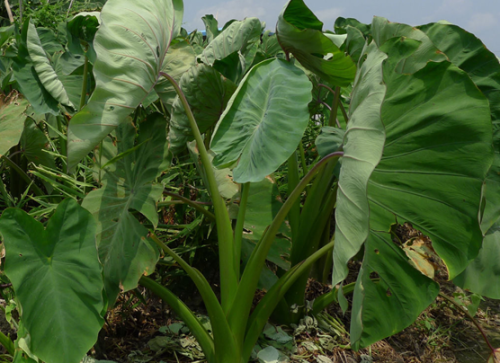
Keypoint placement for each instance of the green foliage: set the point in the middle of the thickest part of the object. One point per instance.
(57, 279)
(103, 100)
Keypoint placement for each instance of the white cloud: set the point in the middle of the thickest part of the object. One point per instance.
(480, 21)
(265, 10)
(449, 9)
(328, 16)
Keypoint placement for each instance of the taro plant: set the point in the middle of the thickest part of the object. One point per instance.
(408, 138)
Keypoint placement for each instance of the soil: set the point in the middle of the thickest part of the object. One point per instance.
(441, 334)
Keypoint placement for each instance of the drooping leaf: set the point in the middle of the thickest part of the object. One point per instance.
(82, 27)
(208, 93)
(56, 275)
(211, 27)
(354, 43)
(436, 156)
(131, 45)
(12, 116)
(264, 120)
(363, 145)
(237, 43)
(431, 165)
(300, 32)
(178, 60)
(124, 248)
(27, 78)
(43, 67)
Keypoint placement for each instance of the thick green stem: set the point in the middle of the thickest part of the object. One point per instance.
(228, 280)
(83, 97)
(185, 314)
(238, 231)
(238, 315)
(191, 203)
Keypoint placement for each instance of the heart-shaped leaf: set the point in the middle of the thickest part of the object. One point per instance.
(57, 278)
(264, 120)
(435, 159)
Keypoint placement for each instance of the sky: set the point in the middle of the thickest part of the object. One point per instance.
(480, 17)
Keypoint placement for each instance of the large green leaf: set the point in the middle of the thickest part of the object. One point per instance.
(363, 144)
(12, 116)
(208, 93)
(436, 156)
(264, 120)
(43, 67)
(467, 52)
(131, 45)
(438, 150)
(300, 33)
(240, 39)
(56, 275)
(124, 248)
